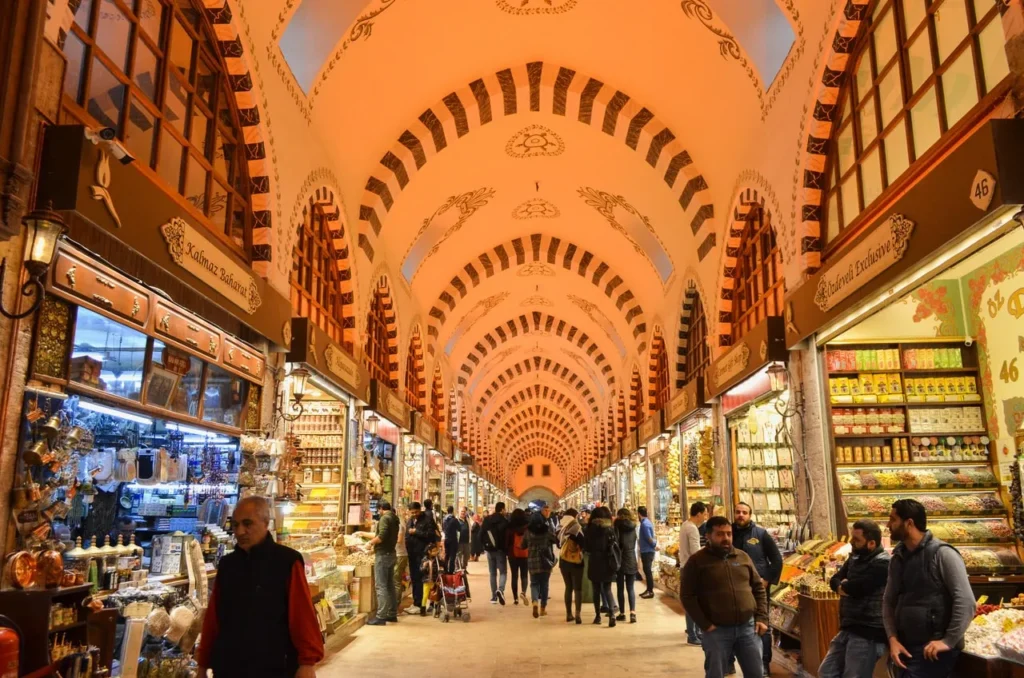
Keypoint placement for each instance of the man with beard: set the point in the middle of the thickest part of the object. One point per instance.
(928, 603)
(860, 584)
(420, 533)
(763, 550)
(723, 592)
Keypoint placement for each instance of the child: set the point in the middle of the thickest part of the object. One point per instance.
(431, 568)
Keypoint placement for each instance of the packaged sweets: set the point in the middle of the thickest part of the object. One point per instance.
(867, 385)
(881, 384)
(910, 359)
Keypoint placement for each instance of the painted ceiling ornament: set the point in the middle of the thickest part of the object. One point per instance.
(528, 7)
(475, 315)
(534, 141)
(599, 318)
(536, 268)
(606, 205)
(536, 300)
(536, 208)
(446, 221)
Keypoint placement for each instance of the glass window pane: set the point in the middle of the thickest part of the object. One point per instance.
(107, 355)
(885, 39)
(206, 82)
(992, 41)
(139, 133)
(897, 159)
(181, 49)
(223, 154)
(176, 103)
(106, 95)
(169, 164)
(198, 134)
(890, 95)
(175, 380)
(863, 78)
(833, 217)
(871, 176)
(851, 200)
(950, 26)
(219, 205)
(195, 184)
(983, 7)
(959, 89)
(74, 50)
(84, 15)
(920, 57)
(113, 34)
(868, 126)
(914, 12)
(925, 118)
(224, 397)
(844, 105)
(238, 219)
(147, 70)
(844, 146)
(150, 13)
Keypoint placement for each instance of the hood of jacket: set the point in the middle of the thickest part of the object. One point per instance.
(601, 522)
(624, 525)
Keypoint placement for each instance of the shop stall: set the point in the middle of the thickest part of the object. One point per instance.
(649, 452)
(416, 449)
(439, 457)
(915, 325)
(378, 462)
(451, 480)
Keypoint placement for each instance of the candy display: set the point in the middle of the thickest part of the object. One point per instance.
(947, 478)
(764, 459)
(878, 505)
(978, 531)
(986, 630)
(945, 419)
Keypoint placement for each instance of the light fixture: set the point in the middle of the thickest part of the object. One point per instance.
(182, 428)
(777, 377)
(299, 377)
(111, 412)
(371, 423)
(43, 228)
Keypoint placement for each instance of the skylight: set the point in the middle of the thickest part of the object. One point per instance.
(761, 29)
(316, 27)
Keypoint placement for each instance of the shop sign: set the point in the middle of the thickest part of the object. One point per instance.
(650, 428)
(686, 399)
(422, 429)
(342, 365)
(444, 444)
(731, 364)
(385, 402)
(872, 254)
(311, 345)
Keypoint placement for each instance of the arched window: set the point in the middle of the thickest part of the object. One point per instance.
(150, 70)
(636, 401)
(698, 353)
(919, 70)
(758, 290)
(621, 425)
(414, 381)
(437, 401)
(316, 280)
(378, 357)
(659, 391)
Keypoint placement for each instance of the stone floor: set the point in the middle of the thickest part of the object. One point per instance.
(507, 642)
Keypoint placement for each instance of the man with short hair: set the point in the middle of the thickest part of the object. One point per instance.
(860, 583)
(928, 603)
(450, 530)
(723, 592)
(281, 617)
(763, 550)
(420, 533)
(702, 530)
(465, 548)
(648, 549)
(689, 544)
(384, 565)
(493, 529)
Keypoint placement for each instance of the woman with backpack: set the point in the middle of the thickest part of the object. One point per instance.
(605, 556)
(518, 554)
(540, 541)
(625, 532)
(570, 563)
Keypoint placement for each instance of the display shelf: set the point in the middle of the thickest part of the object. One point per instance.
(916, 464)
(783, 605)
(69, 627)
(791, 634)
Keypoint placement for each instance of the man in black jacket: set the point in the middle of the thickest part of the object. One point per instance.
(763, 550)
(860, 583)
(420, 533)
(493, 530)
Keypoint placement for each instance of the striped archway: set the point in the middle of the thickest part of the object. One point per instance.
(536, 364)
(657, 376)
(636, 400)
(693, 310)
(437, 401)
(415, 373)
(530, 394)
(532, 87)
(382, 302)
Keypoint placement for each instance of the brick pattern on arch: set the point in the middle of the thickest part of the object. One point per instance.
(419, 380)
(656, 369)
(538, 412)
(568, 439)
(529, 449)
(383, 288)
(690, 299)
(537, 248)
(528, 395)
(636, 400)
(323, 198)
(537, 364)
(438, 411)
(747, 202)
(532, 87)
(525, 324)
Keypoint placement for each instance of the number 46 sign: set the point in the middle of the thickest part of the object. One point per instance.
(983, 190)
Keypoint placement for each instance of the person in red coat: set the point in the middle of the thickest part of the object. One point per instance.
(260, 622)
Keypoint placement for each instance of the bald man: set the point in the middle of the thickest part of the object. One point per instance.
(260, 622)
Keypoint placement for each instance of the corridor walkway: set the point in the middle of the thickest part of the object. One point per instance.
(507, 642)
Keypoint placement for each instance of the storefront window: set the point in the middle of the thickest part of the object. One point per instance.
(108, 356)
(175, 380)
(224, 397)
(698, 353)
(316, 278)
(759, 289)
(166, 94)
(926, 65)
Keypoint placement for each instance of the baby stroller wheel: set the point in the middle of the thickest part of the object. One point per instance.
(465, 617)
(458, 612)
(445, 617)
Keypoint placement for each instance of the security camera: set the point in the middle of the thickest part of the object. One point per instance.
(108, 134)
(107, 137)
(968, 342)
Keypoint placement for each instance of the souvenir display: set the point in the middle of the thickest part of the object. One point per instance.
(764, 464)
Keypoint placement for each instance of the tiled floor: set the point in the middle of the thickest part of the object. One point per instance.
(507, 642)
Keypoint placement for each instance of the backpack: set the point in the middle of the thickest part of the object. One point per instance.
(519, 548)
(614, 554)
(571, 552)
(491, 537)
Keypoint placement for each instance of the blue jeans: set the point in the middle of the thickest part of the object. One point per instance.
(384, 576)
(851, 656)
(497, 563)
(627, 582)
(727, 641)
(919, 667)
(693, 632)
(539, 582)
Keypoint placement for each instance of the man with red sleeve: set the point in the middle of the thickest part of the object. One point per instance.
(260, 622)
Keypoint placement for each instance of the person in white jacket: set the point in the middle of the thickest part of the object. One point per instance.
(689, 544)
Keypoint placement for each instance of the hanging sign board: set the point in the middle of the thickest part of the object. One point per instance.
(764, 343)
(650, 428)
(687, 399)
(314, 347)
(385, 402)
(422, 429)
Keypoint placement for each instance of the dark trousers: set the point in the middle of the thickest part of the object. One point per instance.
(919, 667)
(520, 575)
(416, 574)
(603, 596)
(451, 555)
(572, 575)
(625, 584)
(648, 562)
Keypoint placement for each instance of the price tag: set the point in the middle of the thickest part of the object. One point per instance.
(983, 190)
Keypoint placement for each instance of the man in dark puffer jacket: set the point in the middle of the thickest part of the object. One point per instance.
(860, 583)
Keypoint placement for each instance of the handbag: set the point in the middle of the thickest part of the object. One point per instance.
(547, 556)
(571, 552)
(615, 553)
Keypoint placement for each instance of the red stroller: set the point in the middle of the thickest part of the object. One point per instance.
(454, 593)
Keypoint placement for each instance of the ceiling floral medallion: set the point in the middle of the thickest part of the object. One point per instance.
(535, 141)
(536, 208)
(536, 268)
(527, 7)
(536, 300)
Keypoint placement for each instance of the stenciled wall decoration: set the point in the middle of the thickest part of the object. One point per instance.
(535, 141)
(446, 221)
(528, 7)
(645, 241)
(536, 208)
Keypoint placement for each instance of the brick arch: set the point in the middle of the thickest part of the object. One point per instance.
(537, 248)
(383, 288)
(438, 399)
(528, 449)
(657, 367)
(532, 87)
(541, 436)
(569, 439)
(691, 297)
(537, 364)
(530, 393)
(533, 322)
(414, 361)
(535, 414)
(811, 179)
(636, 400)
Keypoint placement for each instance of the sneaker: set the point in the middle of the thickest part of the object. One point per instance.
(620, 617)
(543, 611)
(393, 620)
(376, 622)
(522, 597)
(414, 610)
(632, 617)
(693, 642)
(647, 595)
(501, 597)
(494, 599)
